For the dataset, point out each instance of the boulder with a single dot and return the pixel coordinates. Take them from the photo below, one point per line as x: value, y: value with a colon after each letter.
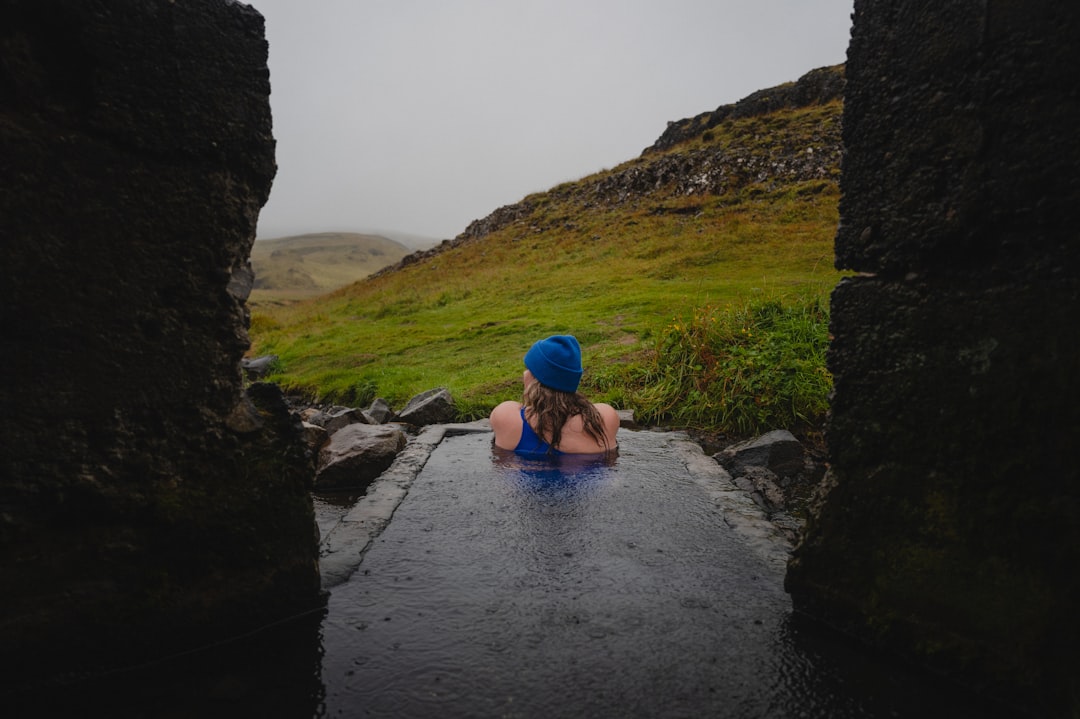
x: 435, y: 406
x: 342, y: 418
x: 258, y: 367
x: 356, y: 455
x: 778, y: 451
x: 314, y: 436
x: 763, y: 486
x: 379, y: 412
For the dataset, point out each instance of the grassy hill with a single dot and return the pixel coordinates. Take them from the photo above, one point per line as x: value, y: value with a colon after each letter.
x: 696, y: 277
x: 303, y: 266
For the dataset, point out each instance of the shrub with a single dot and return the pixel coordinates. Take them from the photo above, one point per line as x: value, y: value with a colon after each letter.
x: 742, y: 370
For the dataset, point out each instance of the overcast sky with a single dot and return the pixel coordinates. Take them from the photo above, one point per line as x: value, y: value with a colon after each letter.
x: 419, y: 116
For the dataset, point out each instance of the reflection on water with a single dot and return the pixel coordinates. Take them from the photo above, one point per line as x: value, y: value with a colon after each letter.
x: 562, y: 475
x: 509, y: 586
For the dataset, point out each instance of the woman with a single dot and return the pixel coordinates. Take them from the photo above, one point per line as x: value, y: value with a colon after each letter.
x: 555, y: 418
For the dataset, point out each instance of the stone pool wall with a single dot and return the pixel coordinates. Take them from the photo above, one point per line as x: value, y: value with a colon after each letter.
x: 147, y: 503
x: 949, y: 532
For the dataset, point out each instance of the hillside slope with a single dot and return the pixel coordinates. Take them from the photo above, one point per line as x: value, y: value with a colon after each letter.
x: 300, y: 266
x: 742, y: 209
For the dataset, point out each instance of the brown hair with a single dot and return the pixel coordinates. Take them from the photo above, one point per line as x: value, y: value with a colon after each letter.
x: 552, y: 408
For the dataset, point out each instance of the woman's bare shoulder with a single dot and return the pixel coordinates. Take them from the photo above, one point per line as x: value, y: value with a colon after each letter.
x: 609, y: 416
x: 506, y: 424
x: 505, y: 410
x: 606, y: 410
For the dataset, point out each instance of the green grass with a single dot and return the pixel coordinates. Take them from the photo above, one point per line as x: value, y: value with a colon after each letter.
x: 745, y: 369
x: 613, y: 274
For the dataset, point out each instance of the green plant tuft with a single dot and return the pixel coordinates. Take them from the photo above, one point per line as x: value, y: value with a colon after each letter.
x: 743, y: 370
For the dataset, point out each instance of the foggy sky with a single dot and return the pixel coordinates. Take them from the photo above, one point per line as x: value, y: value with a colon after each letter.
x: 419, y: 116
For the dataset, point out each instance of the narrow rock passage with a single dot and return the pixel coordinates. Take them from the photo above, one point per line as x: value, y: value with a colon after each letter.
x: 644, y: 587
x: 468, y: 584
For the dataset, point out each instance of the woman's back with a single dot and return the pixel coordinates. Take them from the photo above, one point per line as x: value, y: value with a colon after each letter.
x: 554, y: 412
x: 506, y: 421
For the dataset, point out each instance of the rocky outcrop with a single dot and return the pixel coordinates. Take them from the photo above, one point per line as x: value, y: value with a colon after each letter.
x: 148, y: 504
x: 816, y: 87
x: 947, y: 526
x: 785, y: 158
x: 663, y: 169
x: 717, y: 171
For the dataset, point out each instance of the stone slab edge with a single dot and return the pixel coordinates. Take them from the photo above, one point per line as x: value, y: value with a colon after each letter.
x: 342, y: 548
x: 738, y: 509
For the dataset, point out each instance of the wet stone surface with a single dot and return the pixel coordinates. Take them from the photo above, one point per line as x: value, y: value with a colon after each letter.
x: 468, y: 583
x: 639, y: 587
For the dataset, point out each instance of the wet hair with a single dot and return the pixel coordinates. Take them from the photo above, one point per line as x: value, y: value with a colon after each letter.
x: 552, y: 408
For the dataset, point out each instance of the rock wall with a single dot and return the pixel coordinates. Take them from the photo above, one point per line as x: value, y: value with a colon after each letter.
x: 948, y: 530
x: 147, y: 503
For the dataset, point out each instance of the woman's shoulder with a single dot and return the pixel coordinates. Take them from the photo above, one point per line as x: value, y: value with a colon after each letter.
x: 606, y: 410
x: 609, y: 416
x: 506, y: 424
x: 505, y: 410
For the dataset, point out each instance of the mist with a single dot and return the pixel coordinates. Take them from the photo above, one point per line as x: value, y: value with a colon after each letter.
x: 415, y: 117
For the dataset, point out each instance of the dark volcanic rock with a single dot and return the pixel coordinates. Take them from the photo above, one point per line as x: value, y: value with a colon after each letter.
x: 148, y: 504
x: 778, y: 451
x: 947, y: 526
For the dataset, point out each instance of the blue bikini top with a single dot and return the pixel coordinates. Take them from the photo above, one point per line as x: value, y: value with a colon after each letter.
x: 530, y: 442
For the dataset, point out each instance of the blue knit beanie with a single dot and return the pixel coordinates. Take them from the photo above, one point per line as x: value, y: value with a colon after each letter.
x: 556, y: 362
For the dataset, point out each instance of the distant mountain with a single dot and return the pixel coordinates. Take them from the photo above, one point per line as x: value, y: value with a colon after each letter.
x: 413, y: 242
x: 302, y: 266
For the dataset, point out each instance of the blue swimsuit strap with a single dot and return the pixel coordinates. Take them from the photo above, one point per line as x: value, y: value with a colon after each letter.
x: 530, y: 441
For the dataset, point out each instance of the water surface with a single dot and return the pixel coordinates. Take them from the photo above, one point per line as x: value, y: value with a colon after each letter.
x: 505, y: 588
x: 640, y: 585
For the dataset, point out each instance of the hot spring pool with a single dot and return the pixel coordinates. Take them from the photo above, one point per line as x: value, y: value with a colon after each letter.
x: 641, y: 586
